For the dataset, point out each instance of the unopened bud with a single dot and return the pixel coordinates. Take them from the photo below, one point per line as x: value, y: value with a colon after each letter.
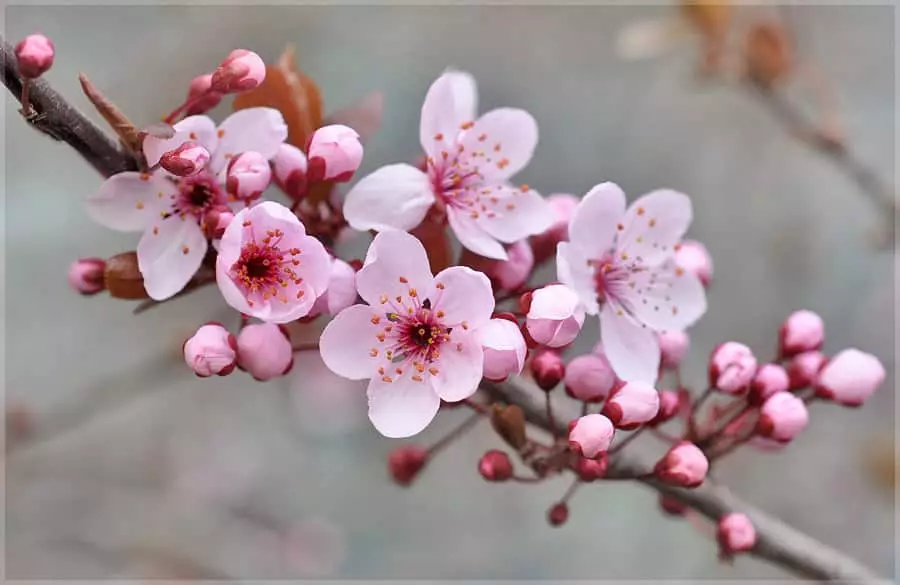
x: 591, y: 435
x: 589, y: 378
x: 632, y: 404
x: 803, y: 368
x: 405, y: 463
x: 185, y: 161
x: 735, y: 533
x: 589, y: 470
x: 671, y: 505
x: 732, y: 366
x: 684, y: 465
x: 673, y: 346
x: 86, y: 275
x: 669, y: 405
x: 555, y: 316
x: 548, y: 369
x: 495, y: 466
x: 290, y: 171
x: 693, y: 257
x: 34, y: 55
x: 850, y: 377
x: 201, y: 96
x: 264, y: 351
x: 768, y: 380
x: 242, y: 70
x: 782, y: 417
x: 212, y: 350
x: 801, y: 331
x: 543, y: 245
x: 558, y: 514
x: 334, y: 153
x: 249, y: 174
x: 216, y: 221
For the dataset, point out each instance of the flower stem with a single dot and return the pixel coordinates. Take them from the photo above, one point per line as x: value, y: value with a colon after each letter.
x: 455, y: 433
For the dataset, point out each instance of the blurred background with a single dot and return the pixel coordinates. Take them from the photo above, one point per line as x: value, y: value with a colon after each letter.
x: 121, y: 463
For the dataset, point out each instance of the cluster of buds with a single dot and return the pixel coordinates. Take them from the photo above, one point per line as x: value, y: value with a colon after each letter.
x: 262, y: 350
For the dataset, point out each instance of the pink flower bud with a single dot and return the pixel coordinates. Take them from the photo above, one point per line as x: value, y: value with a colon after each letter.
x: 86, y: 275
x: 185, y: 161
x: 673, y: 346
x: 201, y: 96
x: 290, y: 171
x: 405, y: 463
x: 548, y: 369
x: 632, y: 404
x: 264, y: 351
x: 504, y: 349
x: 242, y: 70
x: 589, y: 378
x: 735, y: 533
x: 693, y: 257
x: 684, y: 465
x: 544, y: 244
x: 495, y: 466
x: 558, y: 514
x: 731, y: 367
x: 590, y: 435
x: 555, y: 316
x: 669, y: 405
x: 672, y: 506
x: 216, y: 221
x: 211, y: 350
x: 782, y: 417
x: 512, y: 273
x: 803, y: 368
x: 341, y: 291
x: 850, y: 377
x: 34, y: 55
x: 591, y: 469
x: 801, y: 331
x: 768, y: 380
x: 248, y: 176
x: 334, y: 153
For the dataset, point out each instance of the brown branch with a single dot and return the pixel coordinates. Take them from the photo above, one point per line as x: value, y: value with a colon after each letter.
x: 776, y: 543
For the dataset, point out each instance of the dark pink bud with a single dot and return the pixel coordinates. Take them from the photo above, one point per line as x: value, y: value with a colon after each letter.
x: 731, y: 367
x: 201, y: 96
x: 212, y: 350
x: 185, y: 161
x: 669, y: 405
x: 548, y: 369
x: 216, y: 221
x: 248, y: 176
x: 242, y: 70
x: 850, y: 377
x: 334, y: 153
x: 632, y: 404
x: 591, y: 469
x: 734, y: 534
x: 290, y: 171
x: 673, y: 346
x: 589, y: 377
x: 782, y: 417
x: 803, y: 368
x: 34, y: 55
x: 86, y: 275
x: 693, y: 257
x: 264, y: 351
x: 672, y: 506
x: 405, y: 463
x: 768, y: 380
x: 495, y: 466
x: 558, y: 514
x: 801, y: 331
x: 684, y: 465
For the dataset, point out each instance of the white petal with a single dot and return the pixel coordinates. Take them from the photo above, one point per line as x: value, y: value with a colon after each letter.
x: 347, y: 341
x: 169, y: 254
x: 573, y: 270
x: 653, y: 225
x: 666, y: 299
x: 512, y: 214
x: 130, y: 202
x: 393, y: 197
x: 594, y: 224
x: 632, y: 350
x: 259, y: 130
x: 473, y: 237
x: 450, y: 102
x: 500, y: 143
x: 460, y: 367
x: 392, y: 256
x: 402, y: 407
x: 464, y: 296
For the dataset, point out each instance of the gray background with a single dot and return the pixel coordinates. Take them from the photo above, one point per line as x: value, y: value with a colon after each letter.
x: 136, y: 468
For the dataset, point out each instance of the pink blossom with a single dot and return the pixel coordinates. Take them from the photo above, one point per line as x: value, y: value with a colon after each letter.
x: 241, y: 71
x: 188, y: 159
x: 268, y: 267
x: 555, y: 316
x: 248, y: 175
x: 547, y: 368
x: 212, y: 350
x: 782, y: 417
x: 801, y: 331
x: 418, y: 337
x: 341, y: 291
x: 591, y: 435
x: 684, y: 465
x: 589, y: 378
x: 768, y: 380
x: 632, y: 404
x: 804, y: 367
x: 850, y: 377
x: 290, y: 165
x: 34, y: 55
x: 693, y: 257
x: 86, y: 275
x: 732, y: 366
x: 669, y: 405
x: 201, y: 96
x: 495, y: 466
x: 264, y: 351
x: 735, y: 533
x: 405, y: 463
x: 504, y: 349
x: 468, y: 165
x: 544, y: 244
x: 334, y: 153
x: 673, y: 346
x: 168, y: 210
x: 621, y: 265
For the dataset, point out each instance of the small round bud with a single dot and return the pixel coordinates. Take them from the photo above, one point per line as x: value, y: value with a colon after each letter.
x: 589, y: 377
x: 86, y: 275
x: 216, y: 221
x: 242, y: 70
x: 290, y: 166
x: 693, y: 257
x: 850, y: 377
x: 544, y: 244
x: 673, y: 346
x: 632, y: 404
x: 405, y: 463
x: 768, y: 380
x: 735, y: 533
x: 188, y: 159
x: 212, y: 350
x: 249, y: 174
x: 334, y: 153
x: 558, y: 514
x: 672, y: 506
x: 555, y: 316
x: 591, y: 435
x: 201, y: 96
x: 507, y: 274
x: 34, y: 55
x: 264, y: 351
x: 684, y: 465
x: 669, y: 405
x: 782, y: 417
x: 495, y: 466
x: 801, y: 331
x: 731, y: 367
x: 504, y: 349
x: 803, y: 368
x: 548, y: 369
x: 591, y: 469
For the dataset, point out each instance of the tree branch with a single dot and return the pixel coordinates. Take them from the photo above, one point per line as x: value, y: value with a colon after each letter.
x: 777, y: 542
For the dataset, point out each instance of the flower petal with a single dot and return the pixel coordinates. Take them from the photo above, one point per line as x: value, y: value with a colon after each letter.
x: 449, y: 103
x: 169, y: 254
x: 632, y: 350
x: 460, y: 367
x: 259, y: 130
x: 402, y: 407
x: 129, y: 201
x: 464, y: 296
x: 499, y: 144
x: 666, y: 299
x: 395, y: 263
x: 653, y: 225
x: 573, y: 270
x: 393, y: 197
x: 472, y: 236
x: 594, y: 223
x: 199, y: 129
x: 513, y: 214
x: 347, y: 341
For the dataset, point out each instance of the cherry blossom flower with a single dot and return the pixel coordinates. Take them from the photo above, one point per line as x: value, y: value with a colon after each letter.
x: 268, y: 267
x: 469, y: 162
x: 170, y: 210
x: 417, y: 339
x: 621, y: 265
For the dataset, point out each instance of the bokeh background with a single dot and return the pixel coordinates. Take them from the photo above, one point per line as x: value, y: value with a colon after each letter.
x: 126, y: 465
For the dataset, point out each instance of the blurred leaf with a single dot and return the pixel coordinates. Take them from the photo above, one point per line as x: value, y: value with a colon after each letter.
x: 364, y: 116
x: 882, y: 463
x: 434, y: 237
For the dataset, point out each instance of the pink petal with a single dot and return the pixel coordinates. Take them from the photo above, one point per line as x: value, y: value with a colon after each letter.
x: 259, y: 130
x: 632, y: 350
x: 503, y: 347
x: 464, y: 295
x: 130, y: 201
x: 500, y: 143
x: 364, y: 116
x: 594, y: 224
x: 169, y: 254
x: 198, y: 129
x: 392, y: 256
x: 653, y: 225
x: 402, y: 407
x: 471, y: 235
x: 347, y: 341
x: 449, y: 103
x: 393, y: 197
x: 667, y: 299
x: 460, y: 366
x: 573, y: 270
x: 513, y: 214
